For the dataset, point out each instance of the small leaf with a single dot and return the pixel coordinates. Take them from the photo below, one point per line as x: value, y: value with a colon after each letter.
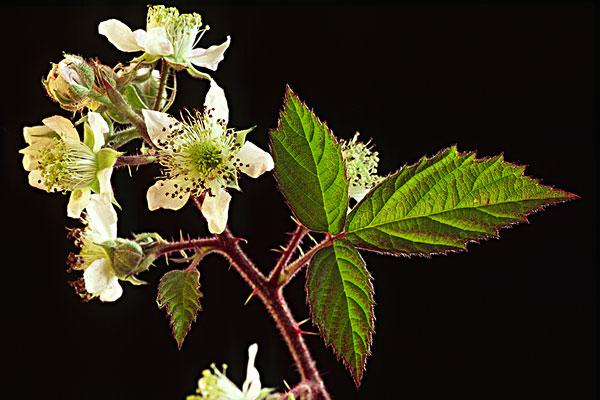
x: 441, y: 203
x: 309, y: 167
x: 179, y: 292
x: 340, y: 296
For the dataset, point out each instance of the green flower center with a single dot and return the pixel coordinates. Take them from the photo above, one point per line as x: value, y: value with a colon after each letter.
x: 200, y: 155
x: 361, y: 164
x: 206, y: 156
x: 182, y: 29
x: 67, y: 165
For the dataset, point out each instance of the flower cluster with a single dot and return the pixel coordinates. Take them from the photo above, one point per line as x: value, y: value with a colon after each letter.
x: 361, y: 165
x: 214, y: 385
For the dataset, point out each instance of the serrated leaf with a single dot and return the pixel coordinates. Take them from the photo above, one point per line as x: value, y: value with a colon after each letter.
x: 441, y: 203
x: 179, y: 293
x: 340, y: 296
x: 309, y: 167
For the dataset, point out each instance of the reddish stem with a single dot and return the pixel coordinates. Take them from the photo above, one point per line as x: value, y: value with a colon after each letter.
x: 140, y: 159
x: 272, y: 297
x: 287, y: 254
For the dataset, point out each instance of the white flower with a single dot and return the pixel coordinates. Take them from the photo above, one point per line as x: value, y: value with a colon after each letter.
x: 170, y: 35
x: 58, y: 161
x: 216, y: 386
x: 94, y: 258
x: 361, y: 166
x: 201, y: 156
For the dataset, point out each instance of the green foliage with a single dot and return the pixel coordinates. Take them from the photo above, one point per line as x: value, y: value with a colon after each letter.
x: 441, y: 203
x: 340, y: 295
x: 309, y: 167
x: 179, y: 292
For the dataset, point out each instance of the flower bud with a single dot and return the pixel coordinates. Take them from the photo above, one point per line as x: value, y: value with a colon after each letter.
x: 69, y: 83
x: 126, y: 257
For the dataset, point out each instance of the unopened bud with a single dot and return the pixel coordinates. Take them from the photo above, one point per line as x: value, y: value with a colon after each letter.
x: 126, y: 257
x: 69, y: 83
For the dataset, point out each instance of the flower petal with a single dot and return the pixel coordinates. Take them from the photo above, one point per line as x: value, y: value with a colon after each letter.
x: 119, y: 34
x: 35, y: 180
x: 159, y: 125
x: 99, y: 129
x: 62, y: 126
x: 78, y: 200
x: 215, y: 209
x: 101, y: 217
x: 211, y: 57
x: 33, y: 134
x: 251, y: 386
x: 255, y: 160
x: 112, y: 291
x: 104, y: 182
x: 98, y: 276
x: 155, y: 42
x: 216, y: 102
x: 161, y: 195
x: 31, y: 153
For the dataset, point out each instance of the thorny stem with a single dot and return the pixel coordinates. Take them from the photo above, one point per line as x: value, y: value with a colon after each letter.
x: 292, y: 269
x: 132, y: 161
x: 164, y: 75
x: 288, y: 252
x: 271, y: 295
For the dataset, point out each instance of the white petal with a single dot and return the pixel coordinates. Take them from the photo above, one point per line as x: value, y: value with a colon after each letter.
x: 33, y: 133
x: 155, y: 42
x: 78, y: 200
x: 216, y: 102
x: 215, y: 209
x: 63, y: 127
x: 35, y: 180
x: 251, y: 385
x: 255, y: 160
x: 31, y: 153
x: 98, y: 276
x: 99, y: 129
x: 119, y: 35
x: 102, y: 217
x: 211, y: 57
x: 160, y: 195
x: 112, y: 291
x: 104, y: 182
x: 159, y: 125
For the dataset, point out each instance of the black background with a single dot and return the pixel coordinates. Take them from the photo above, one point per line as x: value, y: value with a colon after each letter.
x: 512, y: 318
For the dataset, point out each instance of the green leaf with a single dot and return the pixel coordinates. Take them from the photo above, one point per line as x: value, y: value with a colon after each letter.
x: 441, y: 203
x: 340, y: 296
x: 179, y: 292
x: 309, y: 167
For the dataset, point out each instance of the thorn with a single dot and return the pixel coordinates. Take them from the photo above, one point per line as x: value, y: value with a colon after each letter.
x: 166, y: 259
x: 287, y: 385
x: 312, y: 238
x: 300, y: 250
x: 302, y: 332
x: 277, y: 251
x: 181, y: 238
x: 303, y: 321
x: 250, y: 297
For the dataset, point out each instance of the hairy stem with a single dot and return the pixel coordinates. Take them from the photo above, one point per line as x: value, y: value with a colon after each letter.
x: 272, y: 298
x: 140, y: 159
x: 288, y: 252
x: 293, y: 268
x: 164, y: 75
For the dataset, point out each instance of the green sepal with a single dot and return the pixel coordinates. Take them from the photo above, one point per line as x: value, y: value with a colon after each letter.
x: 134, y: 98
x: 106, y: 158
x: 240, y: 136
x: 197, y: 74
x: 88, y: 135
